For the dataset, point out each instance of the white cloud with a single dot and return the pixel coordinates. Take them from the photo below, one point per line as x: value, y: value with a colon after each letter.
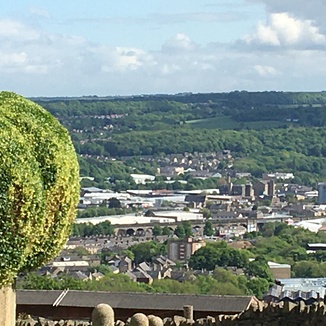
x: 17, y: 30
x: 34, y: 62
x: 314, y: 11
x: 282, y: 30
x: 266, y: 71
x: 123, y: 59
x: 179, y: 42
x: 12, y: 59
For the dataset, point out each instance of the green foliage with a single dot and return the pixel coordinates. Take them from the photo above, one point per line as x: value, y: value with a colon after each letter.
x: 222, y: 282
x: 206, y: 212
x: 259, y: 268
x: 145, y: 251
x: 39, y: 186
x: 157, y: 230
x: 101, y: 211
x: 114, y: 203
x: 183, y: 230
x: 89, y: 229
x: 208, y: 229
x: 79, y: 251
x: 166, y: 231
x: 218, y: 254
x: 179, y: 231
x: 188, y: 228
x: 286, y: 244
x: 258, y: 286
x: 159, y: 125
x: 306, y: 268
x: 283, y: 149
x: 128, y: 253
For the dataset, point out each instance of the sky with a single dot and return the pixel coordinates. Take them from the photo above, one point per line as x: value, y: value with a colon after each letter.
x: 132, y: 47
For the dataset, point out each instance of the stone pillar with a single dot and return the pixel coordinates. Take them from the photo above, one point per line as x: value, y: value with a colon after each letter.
x: 7, y: 306
x: 188, y: 312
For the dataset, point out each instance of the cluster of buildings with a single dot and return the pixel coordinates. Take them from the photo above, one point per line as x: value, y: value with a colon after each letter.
x: 296, y: 290
x: 201, y: 165
x: 84, y: 267
x: 256, y: 203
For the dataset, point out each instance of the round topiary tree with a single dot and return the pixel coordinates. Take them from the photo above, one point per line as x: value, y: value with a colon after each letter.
x: 39, y: 186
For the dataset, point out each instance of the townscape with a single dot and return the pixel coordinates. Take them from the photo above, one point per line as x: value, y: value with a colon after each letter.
x: 188, y: 222
x: 163, y: 163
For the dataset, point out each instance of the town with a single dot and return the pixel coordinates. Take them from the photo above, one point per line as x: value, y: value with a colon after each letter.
x: 183, y: 221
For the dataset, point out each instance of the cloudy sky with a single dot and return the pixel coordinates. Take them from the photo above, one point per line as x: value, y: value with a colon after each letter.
x: 126, y: 47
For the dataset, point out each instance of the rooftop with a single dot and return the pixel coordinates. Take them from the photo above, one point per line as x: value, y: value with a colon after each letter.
x: 141, y: 301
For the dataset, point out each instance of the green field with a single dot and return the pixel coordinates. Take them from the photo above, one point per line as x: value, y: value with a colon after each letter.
x: 225, y: 122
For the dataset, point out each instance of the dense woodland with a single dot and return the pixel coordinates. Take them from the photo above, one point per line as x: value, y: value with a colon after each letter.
x: 266, y: 131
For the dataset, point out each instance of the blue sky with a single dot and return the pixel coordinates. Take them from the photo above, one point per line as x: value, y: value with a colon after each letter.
x: 103, y: 47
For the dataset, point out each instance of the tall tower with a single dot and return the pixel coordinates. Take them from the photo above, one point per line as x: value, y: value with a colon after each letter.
x: 271, y: 188
x: 322, y: 193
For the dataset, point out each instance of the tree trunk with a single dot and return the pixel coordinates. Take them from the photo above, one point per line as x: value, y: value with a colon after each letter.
x: 7, y: 306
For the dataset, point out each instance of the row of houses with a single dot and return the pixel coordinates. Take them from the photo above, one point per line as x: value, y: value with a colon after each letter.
x: 295, y: 290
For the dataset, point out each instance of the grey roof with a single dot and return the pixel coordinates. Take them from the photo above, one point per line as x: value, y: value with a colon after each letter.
x: 297, y: 291
x: 195, y: 198
x: 154, y: 301
x: 145, y: 267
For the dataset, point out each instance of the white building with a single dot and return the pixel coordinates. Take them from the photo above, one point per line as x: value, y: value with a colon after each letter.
x: 142, y: 178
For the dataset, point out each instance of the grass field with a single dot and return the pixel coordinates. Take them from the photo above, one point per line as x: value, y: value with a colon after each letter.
x: 225, y: 122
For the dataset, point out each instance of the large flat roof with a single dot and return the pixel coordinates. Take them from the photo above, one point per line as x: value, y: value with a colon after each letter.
x: 141, y: 301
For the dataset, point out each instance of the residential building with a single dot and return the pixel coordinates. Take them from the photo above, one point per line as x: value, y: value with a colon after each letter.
x: 279, y: 270
x: 182, y: 249
x: 249, y: 191
x: 142, y: 178
x: 260, y: 187
x: 238, y: 190
x: 125, y: 265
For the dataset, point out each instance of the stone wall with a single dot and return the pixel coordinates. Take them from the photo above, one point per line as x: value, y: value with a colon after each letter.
x: 280, y: 314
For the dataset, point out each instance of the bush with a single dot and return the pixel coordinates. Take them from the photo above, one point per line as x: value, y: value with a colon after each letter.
x: 39, y: 186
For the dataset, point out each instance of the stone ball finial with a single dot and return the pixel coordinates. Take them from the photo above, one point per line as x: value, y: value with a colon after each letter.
x: 154, y: 320
x: 103, y: 315
x: 139, y: 319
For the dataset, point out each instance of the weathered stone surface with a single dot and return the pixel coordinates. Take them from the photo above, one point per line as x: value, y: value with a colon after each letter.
x: 321, y: 308
x: 155, y: 320
x: 103, y: 315
x: 41, y: 321
x: 139, y: 319
x: 119, y: 323
x: 179, y: 320
x: 25, y: 321
x: 282, y: 314
x: 7, y: 306
x: 201, y: 322
x: 70, y: 323
x: 288, y: 306
x: 167, y: 321
x: 188, y: 312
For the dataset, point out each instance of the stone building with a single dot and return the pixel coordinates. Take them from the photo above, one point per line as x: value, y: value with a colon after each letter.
x: 182, y: 249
